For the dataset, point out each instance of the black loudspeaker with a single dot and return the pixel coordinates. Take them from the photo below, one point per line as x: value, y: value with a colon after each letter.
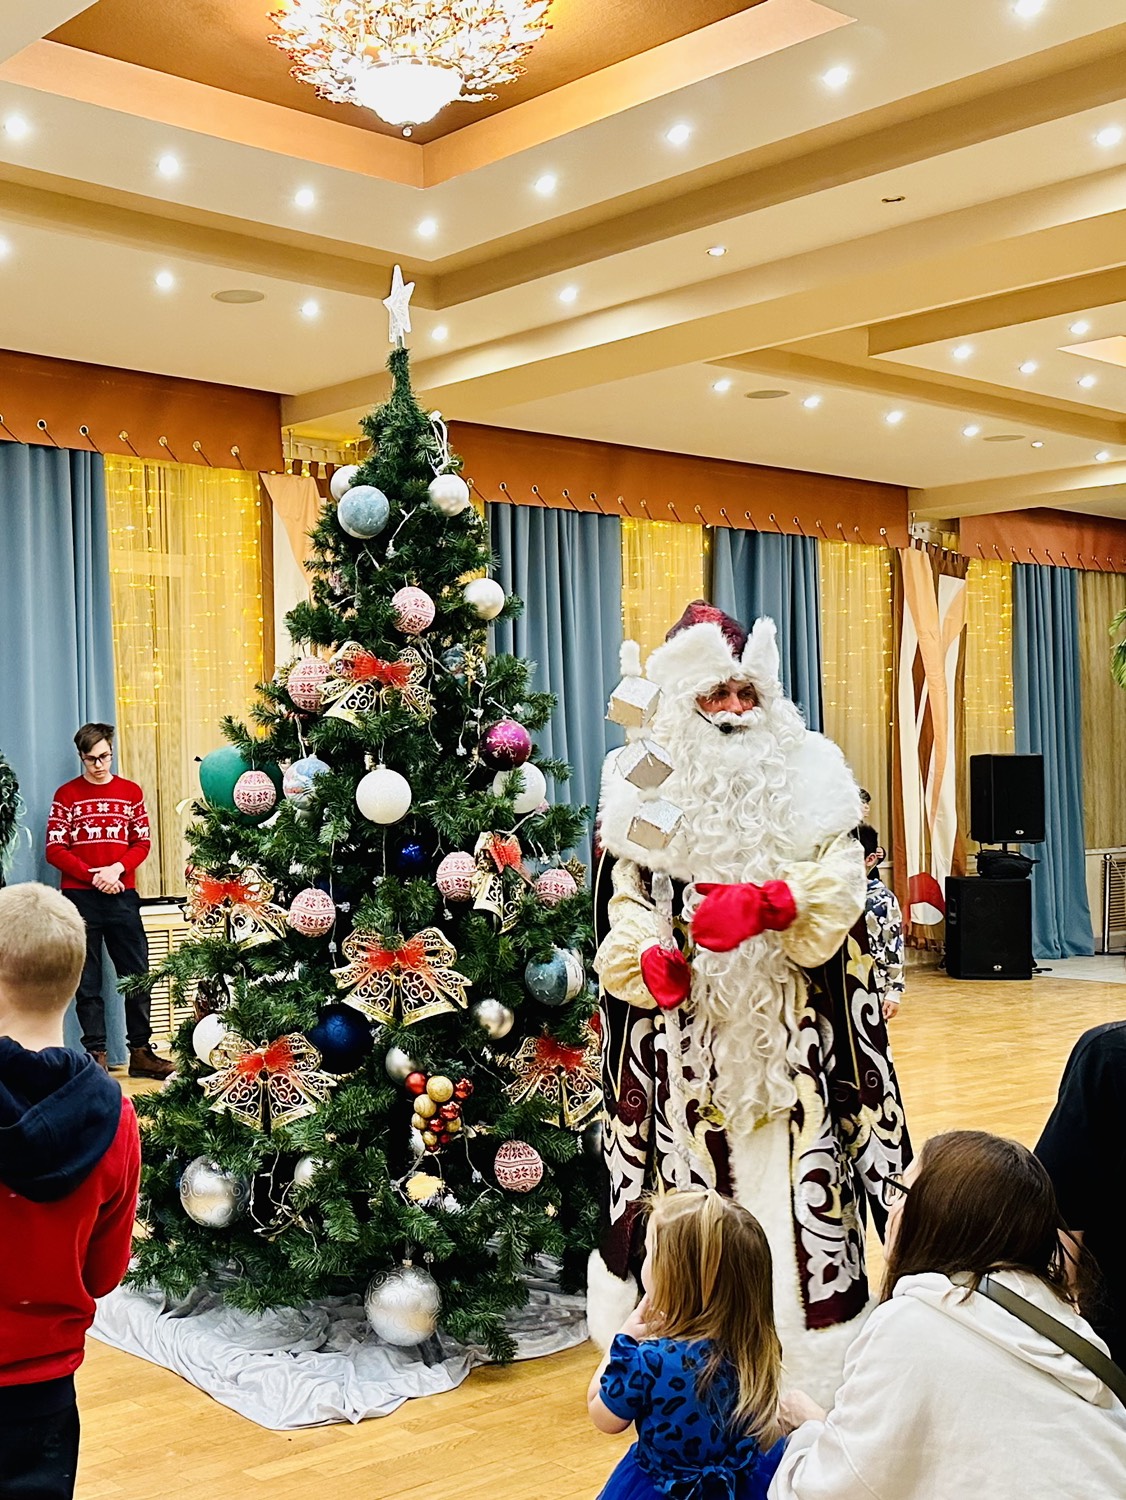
x: 988, y: 928
x: 1007, y: 799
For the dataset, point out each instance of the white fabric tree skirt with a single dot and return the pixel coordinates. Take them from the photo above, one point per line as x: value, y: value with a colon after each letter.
x: 307, y: 1367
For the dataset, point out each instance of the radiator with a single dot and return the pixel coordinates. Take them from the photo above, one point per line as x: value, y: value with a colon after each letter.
x: 165, y: 929
x: 1114, y: 902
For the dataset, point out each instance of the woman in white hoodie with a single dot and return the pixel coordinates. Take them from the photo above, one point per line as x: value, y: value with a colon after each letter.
x: 946, y: 1394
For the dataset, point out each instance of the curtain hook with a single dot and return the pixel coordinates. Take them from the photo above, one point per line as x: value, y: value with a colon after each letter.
x: 123, y: 437
x: 700, y: 514
x: 980, y: 553
x: 597, y: 503
x: 672, y: 507
x: 645, y: 508
x: 85, y: 432
x: 884, y: 536
x: 42, y: 426
x: 570, y: 502
x: 801, y: 528
x: 163, y: 441
x: 236, y: 452
x: 539, y: 497
x: 856, y: 532
x: 197, y: 447
x: 840, y: 528
x: 8, y: 430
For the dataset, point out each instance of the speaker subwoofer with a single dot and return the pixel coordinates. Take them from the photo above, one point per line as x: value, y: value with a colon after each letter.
x: 1007, y: 799
x: 988, y: 928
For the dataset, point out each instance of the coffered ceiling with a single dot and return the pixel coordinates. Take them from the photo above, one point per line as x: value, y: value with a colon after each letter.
x: 897, y: 215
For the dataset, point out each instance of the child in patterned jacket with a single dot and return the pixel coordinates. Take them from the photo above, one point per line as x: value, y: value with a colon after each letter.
x: 885, y: 927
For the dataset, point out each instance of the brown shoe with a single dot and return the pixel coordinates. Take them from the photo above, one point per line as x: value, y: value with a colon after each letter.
x: 100, y: 1058
x: 144, y: 1063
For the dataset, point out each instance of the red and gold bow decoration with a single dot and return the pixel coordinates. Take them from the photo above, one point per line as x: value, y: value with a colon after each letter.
x: 410, y: 983
x: 568, y: 1078
x: 495, y: 853
x: 358, y: 682
x: 268, y: 1085
x: 239, y: 907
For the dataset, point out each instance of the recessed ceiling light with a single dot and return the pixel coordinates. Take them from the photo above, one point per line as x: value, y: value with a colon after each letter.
x: 1109, y: 135
x: 1079, y: 328
x: 811, y: 403
x: 439, y: 333
x: 165, y: 280
x: 546, y: 184
x: 238, y: 296
x: 893, y: 418
x: 16, y: 127
x: 1026, y: 9
x: 1087, y: 381
x: 304, y: 198
x: 961, y: 351
x: 1102, y: 456
x: 837, y: 77
x: 428, y: 228
x: 568, y: 294
x: 717, y: 250
x: 721, y: 386
x: 971, y: 431
x: 1038, y: 442
x: 310, y: 308
x: 678, y: 134
x: 168, y: 165
x: 1029, y: 367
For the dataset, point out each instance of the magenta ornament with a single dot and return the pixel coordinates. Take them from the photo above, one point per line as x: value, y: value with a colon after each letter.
x: 506, y: 745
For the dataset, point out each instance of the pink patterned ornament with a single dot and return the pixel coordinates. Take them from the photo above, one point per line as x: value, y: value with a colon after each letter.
x: 518, y: 1167
x: 414, y: 610
x: 505, y: 745
x: 312, y: 912
x: 455, y: 876
x: 254, y: 793
x: 305, y: 682
x: 554, y: 886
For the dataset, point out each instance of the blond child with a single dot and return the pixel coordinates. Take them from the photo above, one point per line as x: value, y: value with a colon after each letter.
x: 696, y: 1368
x: 69, y: 1168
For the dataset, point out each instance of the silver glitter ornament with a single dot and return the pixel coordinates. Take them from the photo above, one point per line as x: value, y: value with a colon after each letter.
x: 211, y: 1195
x: 655, y: 824
x: 645, y: 764
x: 398, y: 1064
x: 494, y: 1019
x: 633, y: 702
x: 402, y: 1306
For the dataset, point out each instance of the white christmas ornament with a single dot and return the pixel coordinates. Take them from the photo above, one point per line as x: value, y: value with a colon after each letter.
x: 384, y: 796
x: 402, y: 1306
x: 206, y: 1037
x: 254, y: 793
x: 531, y: 787
x: 306, y: 1169
x: 485, y: 596
x: 449, y: 494
x: 342, y: 479
x: 414, y: 610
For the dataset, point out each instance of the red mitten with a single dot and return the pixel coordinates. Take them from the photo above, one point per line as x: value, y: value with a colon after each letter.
x: 730, y: 914
x: 667, y: 975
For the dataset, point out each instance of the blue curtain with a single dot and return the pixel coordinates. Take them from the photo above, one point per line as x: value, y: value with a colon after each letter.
x: 567, y: 567
x: 761, y: 573
x: 56, y: 671
x: 1049, y: 723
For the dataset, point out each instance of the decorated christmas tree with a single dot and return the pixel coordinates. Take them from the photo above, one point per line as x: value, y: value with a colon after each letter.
x: 391, y: 1081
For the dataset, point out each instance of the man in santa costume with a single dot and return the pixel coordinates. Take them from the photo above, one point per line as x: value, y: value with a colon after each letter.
x: 743, y: 1047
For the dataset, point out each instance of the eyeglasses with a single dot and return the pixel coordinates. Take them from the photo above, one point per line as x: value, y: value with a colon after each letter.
x: 897, y: 1184
x: 96, y: 760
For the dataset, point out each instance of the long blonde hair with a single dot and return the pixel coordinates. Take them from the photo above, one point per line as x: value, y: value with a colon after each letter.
x: 711, y: 1277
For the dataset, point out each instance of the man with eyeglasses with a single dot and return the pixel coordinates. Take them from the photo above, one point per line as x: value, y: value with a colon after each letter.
x: 97, y: 837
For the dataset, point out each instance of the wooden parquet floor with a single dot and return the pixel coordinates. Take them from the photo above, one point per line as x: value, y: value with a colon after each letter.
x: 983, y: 1055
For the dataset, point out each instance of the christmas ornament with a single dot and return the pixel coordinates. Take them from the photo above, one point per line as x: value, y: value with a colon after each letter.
x: 415, y: 1082
x: 633, y: 702
x: 409, y: 984
x: 342, y: 1036
x: 554, y: 886
x: 209, y: 1031
x: 439, y: 1088
x: 485, y: 597
x: 218, y: 772
x: 411, y: 858
x: 527, y: 786
x: 298, y: 782
x: 425, y: 1108
x: 238, y: 907
x: 402, y: 1306
x: 383, y: 796
x: 495, y: 853
x: 518, y: 1167
x: 556, y: 980
x: 463, y: 1088
x: 448, y: 494
x: 566, y: 1079
x: 306, y: 1169
x: 312, y: 912
x: 305, y: 682
x: 363, y: 511
x: 494, y: 1019
x: 342, y: 480
x: 644, y: 764
x: 655, y: 824
x: 576, y: 971
x: 422, y: 1187
x: 455, y: 876
x: 269, y: 1085
x: 592, y: 1140
x: 211, y: 995
x: 212, y: 1196
x: 505, y: 745
x: 456, y: 660
x: 399, y: 1066
x: 360, y: 683
x: 254, y: 794
x: 414, y: 610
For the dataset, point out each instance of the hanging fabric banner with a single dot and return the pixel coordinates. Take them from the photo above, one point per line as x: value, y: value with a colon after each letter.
x: 930, y: 600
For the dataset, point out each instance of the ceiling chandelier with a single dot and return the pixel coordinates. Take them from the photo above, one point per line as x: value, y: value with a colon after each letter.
x: 407, y: 59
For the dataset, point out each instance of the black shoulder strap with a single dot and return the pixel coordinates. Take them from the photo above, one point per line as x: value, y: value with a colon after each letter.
x: 1058, y: 1333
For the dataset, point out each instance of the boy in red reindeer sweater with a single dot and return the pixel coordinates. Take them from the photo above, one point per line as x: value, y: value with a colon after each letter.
x: 70, y: 1163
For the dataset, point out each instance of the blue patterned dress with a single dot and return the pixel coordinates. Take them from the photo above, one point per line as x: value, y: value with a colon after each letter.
x: 684, y: 1450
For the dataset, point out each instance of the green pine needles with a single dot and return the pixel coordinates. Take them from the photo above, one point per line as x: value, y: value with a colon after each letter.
x: 356, y: 1216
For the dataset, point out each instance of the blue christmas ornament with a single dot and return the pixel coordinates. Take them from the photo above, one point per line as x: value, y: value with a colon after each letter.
x: 297, y: 783
x: 342, y: 1036
x: 455, y: 660
x: 363, y: 511
x: 411, y: 858
x: 548, y: 982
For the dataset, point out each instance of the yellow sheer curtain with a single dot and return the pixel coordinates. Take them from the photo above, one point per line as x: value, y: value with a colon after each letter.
x: 185, y: 559
x: 988, y: 719
x: 856, y: 666
x: 1101, y: 596
x: 662, y: 571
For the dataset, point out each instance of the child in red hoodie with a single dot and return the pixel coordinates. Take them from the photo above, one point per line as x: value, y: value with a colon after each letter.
x: 69, y: 1170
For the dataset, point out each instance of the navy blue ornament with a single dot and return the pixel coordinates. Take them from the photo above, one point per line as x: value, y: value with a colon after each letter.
x: 342, y: 1036
x: 411, y: 857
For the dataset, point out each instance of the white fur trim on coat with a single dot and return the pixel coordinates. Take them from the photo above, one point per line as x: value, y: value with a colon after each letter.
x: 609, y: 1300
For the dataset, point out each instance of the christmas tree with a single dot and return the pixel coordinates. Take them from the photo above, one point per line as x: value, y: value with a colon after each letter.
x: 391, y: 1077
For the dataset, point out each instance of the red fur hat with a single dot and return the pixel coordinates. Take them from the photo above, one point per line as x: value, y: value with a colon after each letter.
x: 700, y: 612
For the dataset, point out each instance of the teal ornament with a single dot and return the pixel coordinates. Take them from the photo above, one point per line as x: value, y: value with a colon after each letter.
x: 218, y: 773
x: 363, y: 511
x: 298, y: 781
x: 549, y: 982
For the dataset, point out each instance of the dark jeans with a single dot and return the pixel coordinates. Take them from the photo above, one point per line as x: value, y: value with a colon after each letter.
x: 38, y: 1441
x: 117, y: 920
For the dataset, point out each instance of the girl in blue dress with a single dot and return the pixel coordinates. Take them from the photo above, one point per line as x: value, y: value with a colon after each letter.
x: 696, y: 1367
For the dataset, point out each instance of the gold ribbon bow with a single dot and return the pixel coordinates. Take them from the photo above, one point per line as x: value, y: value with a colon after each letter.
x: 412, y: 983
x: 358, y: 682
